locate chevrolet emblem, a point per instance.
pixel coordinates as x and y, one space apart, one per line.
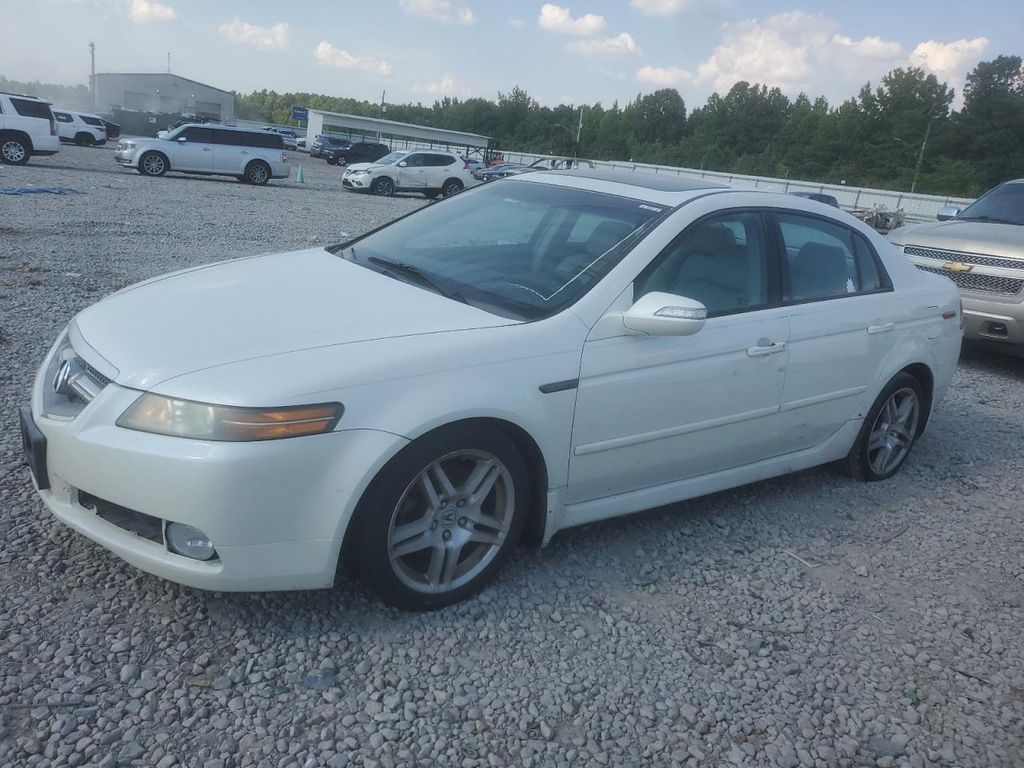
957 266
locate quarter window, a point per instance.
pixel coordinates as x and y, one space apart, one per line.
721 262
28 108
825 260
63 117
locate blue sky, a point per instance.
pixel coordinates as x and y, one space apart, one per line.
561 52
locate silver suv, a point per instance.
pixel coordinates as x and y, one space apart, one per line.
252 156
981 249
27 128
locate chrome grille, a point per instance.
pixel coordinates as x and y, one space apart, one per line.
971 281
964 258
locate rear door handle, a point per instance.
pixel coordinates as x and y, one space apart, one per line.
881 328
768 349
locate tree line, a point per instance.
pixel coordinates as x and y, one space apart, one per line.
873 139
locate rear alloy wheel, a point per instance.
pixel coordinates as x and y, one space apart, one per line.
257 172
888 432
13 151
152 164
383 186
442 517
451 187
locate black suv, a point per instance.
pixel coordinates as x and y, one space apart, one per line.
359 152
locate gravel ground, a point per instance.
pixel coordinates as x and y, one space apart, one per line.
805 621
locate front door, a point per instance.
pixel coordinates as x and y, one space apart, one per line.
411 171
653 410
194 150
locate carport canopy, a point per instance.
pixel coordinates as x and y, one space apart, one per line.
337 123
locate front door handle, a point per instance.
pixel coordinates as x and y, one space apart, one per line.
206 149
766 349
881 328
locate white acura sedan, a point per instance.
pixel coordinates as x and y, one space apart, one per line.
527 356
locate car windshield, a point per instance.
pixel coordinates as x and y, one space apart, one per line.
173 133
391 158
517 249
1003 205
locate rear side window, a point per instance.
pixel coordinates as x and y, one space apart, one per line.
63 117
27 108
438 160
92 121
825 260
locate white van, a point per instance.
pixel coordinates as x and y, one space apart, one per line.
80 128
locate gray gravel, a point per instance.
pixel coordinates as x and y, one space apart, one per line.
805 621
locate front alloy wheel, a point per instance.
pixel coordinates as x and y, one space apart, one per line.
441 517
889 431
383 186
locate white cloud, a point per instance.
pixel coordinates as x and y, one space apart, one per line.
444 87
949 60
555 18
664 77
871 47
621 45
441 10
661 7
145 11
329 56
262 38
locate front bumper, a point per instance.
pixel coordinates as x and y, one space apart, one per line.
361 181
990 319
125 157
276 511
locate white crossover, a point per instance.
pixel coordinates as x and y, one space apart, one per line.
533 354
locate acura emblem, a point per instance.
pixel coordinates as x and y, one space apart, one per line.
957 266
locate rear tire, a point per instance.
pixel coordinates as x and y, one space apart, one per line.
153 164
441 518
257 172
14 150
889 431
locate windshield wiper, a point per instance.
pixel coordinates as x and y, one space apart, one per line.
993 219
408 270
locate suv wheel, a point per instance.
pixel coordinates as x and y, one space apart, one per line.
14 150
257 172
152 164
451 187
84 139
440 519
383 186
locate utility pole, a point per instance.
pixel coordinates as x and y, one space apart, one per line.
920 155
383 108
92 74
579 130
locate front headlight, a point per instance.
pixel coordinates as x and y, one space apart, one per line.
202 421
358 173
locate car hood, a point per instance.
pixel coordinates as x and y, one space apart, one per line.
989 238
257 307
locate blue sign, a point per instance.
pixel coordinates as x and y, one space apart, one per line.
300 113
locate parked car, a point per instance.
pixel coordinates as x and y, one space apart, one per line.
431 172
821 197
27 128
981 249
356 152
251 156
80 128
323 143
289 137
500 171
473 163
409 404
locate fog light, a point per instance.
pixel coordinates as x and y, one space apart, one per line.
188 541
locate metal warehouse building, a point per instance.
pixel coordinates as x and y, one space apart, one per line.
337 123
162 92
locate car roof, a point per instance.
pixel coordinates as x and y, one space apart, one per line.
660 188
25 96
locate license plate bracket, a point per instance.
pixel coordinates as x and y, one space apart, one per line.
33 442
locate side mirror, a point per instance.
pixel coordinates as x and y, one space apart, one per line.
665 314
403 164
947 213
182 139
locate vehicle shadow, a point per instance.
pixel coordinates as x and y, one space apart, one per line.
986 359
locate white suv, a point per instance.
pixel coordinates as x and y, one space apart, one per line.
80 127
431 172
252 156
27 128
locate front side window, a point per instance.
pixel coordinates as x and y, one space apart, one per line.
415 161
195 135
825 260
509 248
721 262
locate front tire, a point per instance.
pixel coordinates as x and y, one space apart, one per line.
442 517
383 186
153 164
257 172
889 431
451 187
83 139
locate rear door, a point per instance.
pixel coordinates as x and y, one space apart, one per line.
842 325
439 168
193 150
